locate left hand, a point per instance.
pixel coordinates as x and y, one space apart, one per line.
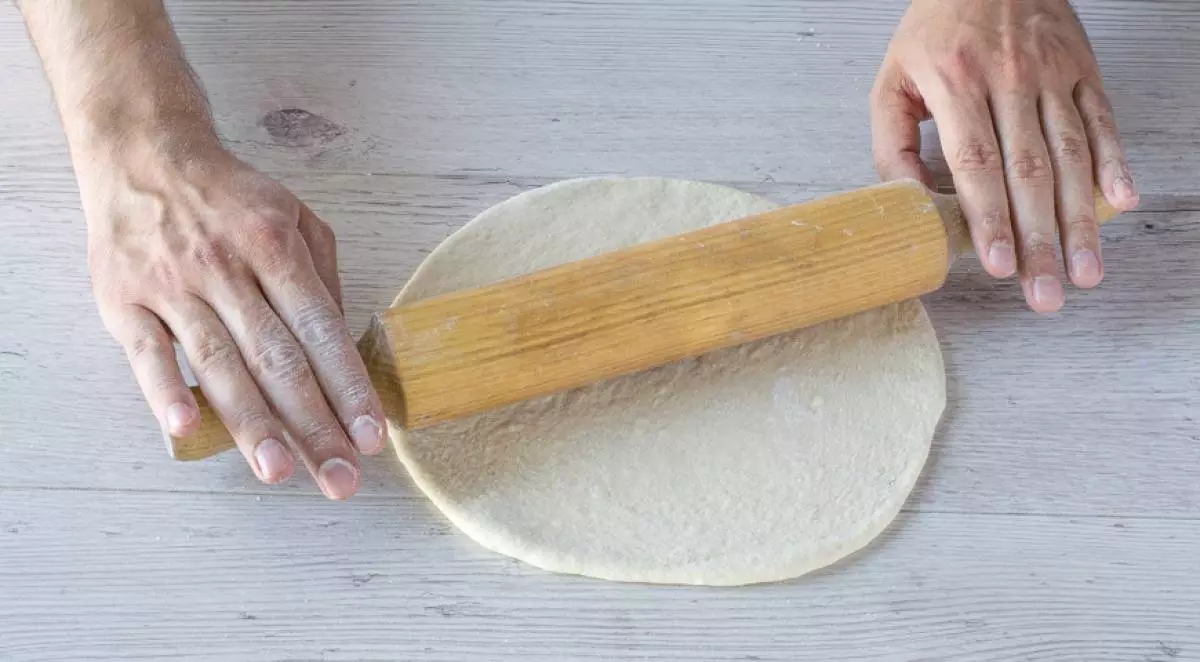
1025 125
194 245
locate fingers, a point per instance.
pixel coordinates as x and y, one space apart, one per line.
306 308
246 280
151 354
286 353
1030 179
1026 129
896 115
282 370
323 248
1110 168
1071 157
231 391
975 159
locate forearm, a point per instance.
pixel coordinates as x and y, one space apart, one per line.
118 74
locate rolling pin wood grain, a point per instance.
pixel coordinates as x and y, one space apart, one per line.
629 310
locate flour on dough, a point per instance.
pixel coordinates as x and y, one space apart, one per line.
751 464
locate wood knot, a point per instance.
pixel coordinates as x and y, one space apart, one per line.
296 127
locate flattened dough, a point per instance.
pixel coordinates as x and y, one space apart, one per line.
756 463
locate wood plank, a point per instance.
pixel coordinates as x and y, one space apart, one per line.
713 89
90 576
1091 411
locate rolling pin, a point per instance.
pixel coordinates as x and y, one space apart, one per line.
625 311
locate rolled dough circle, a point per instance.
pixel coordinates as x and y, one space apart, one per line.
751 464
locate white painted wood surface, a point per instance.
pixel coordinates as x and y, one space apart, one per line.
1058 518
153 575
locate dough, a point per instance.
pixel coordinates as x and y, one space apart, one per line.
751 464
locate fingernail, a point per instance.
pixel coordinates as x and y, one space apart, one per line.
1085 267
1002 258
179 416
338 479
274 461
367 435
1124 187
1047 291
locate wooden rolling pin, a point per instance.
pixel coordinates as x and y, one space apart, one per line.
647 305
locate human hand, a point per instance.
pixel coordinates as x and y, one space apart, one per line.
208 251
1025 125
186 243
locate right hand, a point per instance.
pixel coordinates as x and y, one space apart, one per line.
1025 125
200 248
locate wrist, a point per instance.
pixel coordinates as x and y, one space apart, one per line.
119 75
118 135
135 114
110 167
140 110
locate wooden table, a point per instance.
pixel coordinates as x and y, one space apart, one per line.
1058 517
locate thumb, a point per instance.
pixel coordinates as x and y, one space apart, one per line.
897 111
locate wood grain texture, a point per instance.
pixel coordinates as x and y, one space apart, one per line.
643 306
221 577
710 89
1055 520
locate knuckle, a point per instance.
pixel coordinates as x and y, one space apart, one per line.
1013 67
211 354
1038 248
127 277
165 276
148 344
994 223
1072 149
1030 166
281 362
1095 109
957 68
322 437
165 387
1080 228
1050 56
317 325
356 394
206 254
268 236
113 295
977 157
1112 163
255 425
1103 124
250 424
